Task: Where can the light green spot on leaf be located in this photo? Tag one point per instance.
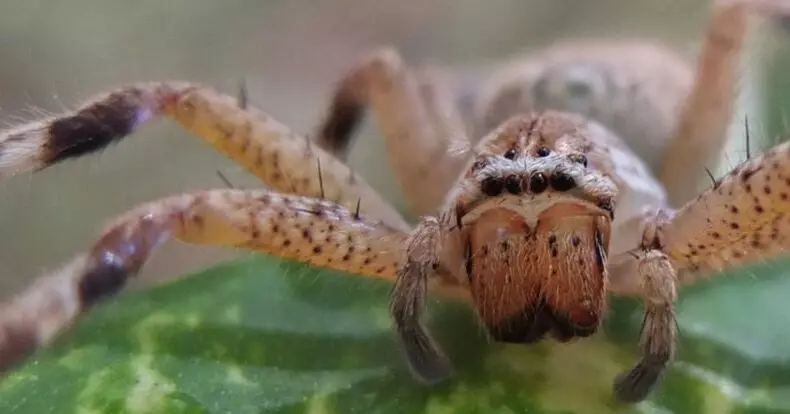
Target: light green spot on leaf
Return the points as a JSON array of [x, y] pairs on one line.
[[150, 391]]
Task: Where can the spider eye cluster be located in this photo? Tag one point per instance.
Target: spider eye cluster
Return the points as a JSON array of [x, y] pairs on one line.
[[519, 182], [534, 183], [513, 152]]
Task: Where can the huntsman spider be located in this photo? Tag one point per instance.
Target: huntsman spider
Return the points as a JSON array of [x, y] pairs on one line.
[[583, 184]]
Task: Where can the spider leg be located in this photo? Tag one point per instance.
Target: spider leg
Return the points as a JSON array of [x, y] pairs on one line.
[[300, 228], [649, 273], [656, 284], [705, 115], [743, 218], [268, 149], [426, 359], [425, 137]]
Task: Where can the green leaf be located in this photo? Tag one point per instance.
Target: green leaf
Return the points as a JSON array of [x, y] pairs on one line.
[[261, 335]]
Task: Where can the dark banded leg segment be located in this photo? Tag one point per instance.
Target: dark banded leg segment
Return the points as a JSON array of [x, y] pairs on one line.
[[306, 229], [425, 138], [268, 149]]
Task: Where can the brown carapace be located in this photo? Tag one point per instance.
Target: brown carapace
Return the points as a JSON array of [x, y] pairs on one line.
[[556, 207]]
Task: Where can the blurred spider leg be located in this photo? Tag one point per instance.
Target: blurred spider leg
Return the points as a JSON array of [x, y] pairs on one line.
[[706, 112], [425, 137]]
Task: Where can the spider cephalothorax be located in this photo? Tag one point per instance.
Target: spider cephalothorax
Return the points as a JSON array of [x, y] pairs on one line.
[[534, 220], [536, 243], [536, 224]]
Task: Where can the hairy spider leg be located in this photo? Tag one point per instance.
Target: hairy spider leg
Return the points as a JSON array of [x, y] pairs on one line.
[[268, 149]]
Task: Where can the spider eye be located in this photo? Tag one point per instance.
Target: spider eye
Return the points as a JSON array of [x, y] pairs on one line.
[[538, 183], [562, 182], [492, 186], [578, 158], [510, 154], [513, 184], [543, 152]]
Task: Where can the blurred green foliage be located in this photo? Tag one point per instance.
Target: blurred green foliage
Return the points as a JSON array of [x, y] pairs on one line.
[[262, 335]]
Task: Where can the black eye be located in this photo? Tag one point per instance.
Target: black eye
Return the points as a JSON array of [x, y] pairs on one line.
[[538, 183], [513, 184], [562, 182], [492, 186], [543, 152], [578, 158], [510, 154]]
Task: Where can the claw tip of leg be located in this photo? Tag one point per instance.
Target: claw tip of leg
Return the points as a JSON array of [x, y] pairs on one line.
[[636, 385], [427, 362], [431, 371]]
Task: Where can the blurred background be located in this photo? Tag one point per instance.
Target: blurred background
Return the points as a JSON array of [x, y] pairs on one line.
[[54, 54]]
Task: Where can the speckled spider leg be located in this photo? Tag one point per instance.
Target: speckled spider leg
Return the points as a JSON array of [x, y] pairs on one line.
[[742, 219], [425, 137], [317, 231]]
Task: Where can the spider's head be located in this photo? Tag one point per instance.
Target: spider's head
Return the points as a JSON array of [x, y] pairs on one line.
[[534, 215]]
